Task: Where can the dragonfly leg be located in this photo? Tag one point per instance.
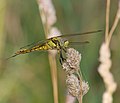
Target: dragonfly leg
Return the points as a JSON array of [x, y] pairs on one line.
[[64, 49], [61, 59]]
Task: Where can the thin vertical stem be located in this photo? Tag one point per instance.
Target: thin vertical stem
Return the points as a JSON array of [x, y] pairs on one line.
[[53, 69], [107, 19], [81, 94], [52, 60], [114, 25]]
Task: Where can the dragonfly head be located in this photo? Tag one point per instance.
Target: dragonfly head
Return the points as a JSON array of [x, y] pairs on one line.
[[66, 43]]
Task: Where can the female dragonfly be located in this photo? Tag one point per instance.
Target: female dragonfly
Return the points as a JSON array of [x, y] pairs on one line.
[[60, 43]]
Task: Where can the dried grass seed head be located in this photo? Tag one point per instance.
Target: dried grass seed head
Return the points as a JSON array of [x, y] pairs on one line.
[[73, 58], [74, 87], [48, 9], [85, 87], [71, 65]]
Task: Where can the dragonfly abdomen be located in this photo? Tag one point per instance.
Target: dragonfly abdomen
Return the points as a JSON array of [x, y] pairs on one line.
[[23, 51], [37, 48], [45, 46]]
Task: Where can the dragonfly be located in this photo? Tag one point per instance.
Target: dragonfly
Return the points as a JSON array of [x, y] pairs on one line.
[[59, 43]]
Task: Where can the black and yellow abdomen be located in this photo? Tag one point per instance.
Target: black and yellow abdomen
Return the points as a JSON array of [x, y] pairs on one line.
[[49, 45]]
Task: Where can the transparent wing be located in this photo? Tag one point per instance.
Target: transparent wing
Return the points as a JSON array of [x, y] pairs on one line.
[[77, 34], [84, 42], [33, 44], [62, 36]]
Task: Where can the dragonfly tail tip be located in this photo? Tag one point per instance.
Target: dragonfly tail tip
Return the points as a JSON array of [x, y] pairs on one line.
[[11, 56]]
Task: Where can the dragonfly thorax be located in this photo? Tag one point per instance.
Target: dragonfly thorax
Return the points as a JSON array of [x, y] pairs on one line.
[[66, 43]]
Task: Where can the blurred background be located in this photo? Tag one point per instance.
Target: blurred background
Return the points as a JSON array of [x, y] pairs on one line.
[[27, 78]]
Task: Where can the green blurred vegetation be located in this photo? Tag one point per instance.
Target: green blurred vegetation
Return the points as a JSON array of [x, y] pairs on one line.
[[26, 78]]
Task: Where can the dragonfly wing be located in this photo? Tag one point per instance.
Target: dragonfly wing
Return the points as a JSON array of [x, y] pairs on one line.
[[33, 44], [62, 36], [84, 42], [78, 43], [78, 34]]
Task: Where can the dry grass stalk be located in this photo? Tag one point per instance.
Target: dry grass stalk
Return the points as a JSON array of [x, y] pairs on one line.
[[107, 18], [105, 57], [47, 13]]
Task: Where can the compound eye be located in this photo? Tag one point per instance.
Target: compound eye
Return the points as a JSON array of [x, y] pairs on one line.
[[66, 43]]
